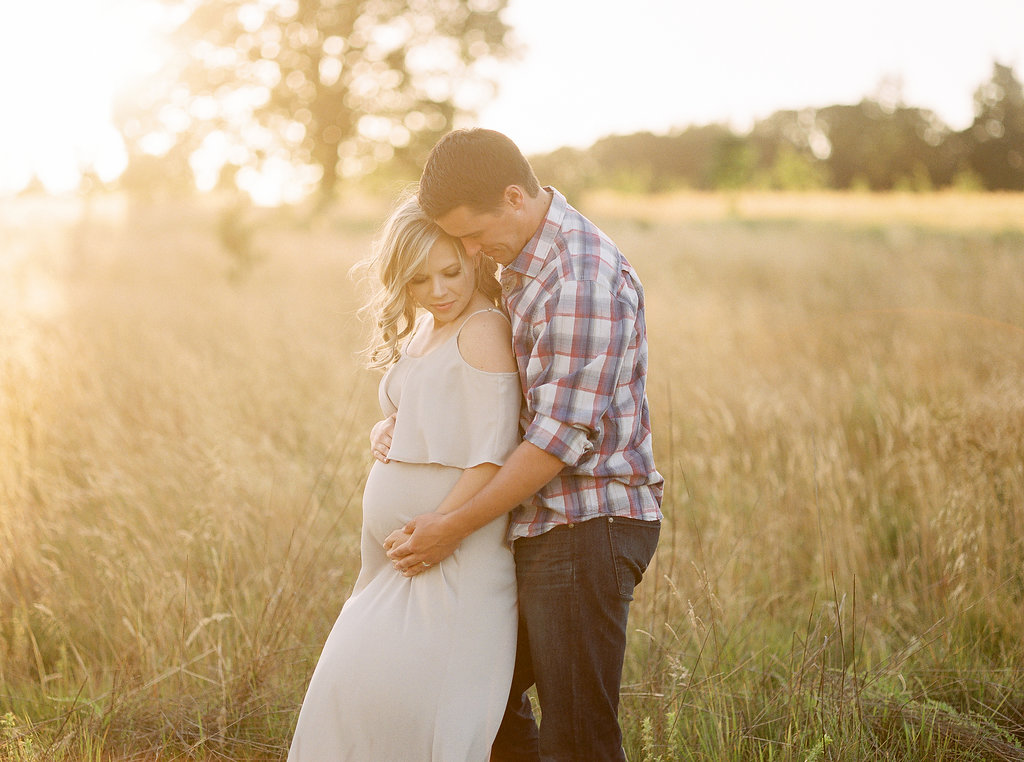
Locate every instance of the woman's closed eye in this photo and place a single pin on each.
(419, 280)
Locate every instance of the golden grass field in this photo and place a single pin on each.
(837, 391)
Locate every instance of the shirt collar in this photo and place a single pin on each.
(536, 253)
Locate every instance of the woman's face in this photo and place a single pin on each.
(445, 284)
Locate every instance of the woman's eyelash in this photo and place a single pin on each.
(417, 280)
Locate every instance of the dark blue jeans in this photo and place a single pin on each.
(575, 585)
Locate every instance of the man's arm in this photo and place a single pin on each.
(435, 536)
(472, 481)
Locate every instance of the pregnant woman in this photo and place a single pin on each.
(419, 667)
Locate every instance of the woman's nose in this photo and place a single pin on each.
(437, 287)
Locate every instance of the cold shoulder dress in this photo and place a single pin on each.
(419, 668)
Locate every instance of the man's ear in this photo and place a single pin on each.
(515, 197)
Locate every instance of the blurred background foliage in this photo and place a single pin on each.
(314, 89)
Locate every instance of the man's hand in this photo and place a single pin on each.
(380, 438)
(429, 539)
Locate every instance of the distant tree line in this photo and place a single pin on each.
(873, 145)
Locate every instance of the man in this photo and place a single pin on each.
(582, 487)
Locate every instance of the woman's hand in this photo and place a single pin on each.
(396, 538)
(380, 438)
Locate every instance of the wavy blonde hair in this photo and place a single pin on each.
(398, 253)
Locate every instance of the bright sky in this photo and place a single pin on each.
(599, 67)
(590, 68)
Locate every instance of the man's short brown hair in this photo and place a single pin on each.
(472, 168)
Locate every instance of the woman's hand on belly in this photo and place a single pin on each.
(396, 538)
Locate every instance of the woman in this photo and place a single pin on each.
(418, 668)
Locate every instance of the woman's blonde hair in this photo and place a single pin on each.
(398, 253)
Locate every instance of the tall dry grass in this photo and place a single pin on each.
(182, 457)
(838, 409)
(842, 423)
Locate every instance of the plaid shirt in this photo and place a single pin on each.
(580, 340)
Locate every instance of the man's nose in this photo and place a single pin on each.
(471, 247)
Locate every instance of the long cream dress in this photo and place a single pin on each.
(419, 668)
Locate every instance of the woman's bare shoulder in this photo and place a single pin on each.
(485, 342)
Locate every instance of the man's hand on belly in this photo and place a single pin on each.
(429, 540)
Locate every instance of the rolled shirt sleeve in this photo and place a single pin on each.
(580, 351)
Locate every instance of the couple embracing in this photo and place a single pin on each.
(514, 503)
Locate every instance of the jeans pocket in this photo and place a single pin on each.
(632, 545)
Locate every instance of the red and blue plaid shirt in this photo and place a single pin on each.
(577, 311)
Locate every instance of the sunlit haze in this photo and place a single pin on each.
(62, 62)
(588, 68)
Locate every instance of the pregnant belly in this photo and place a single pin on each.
(395, 492)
